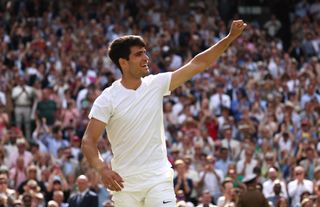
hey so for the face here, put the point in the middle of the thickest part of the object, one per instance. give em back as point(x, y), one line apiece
point(82, 183)
point(299, 175)
point(137, 65)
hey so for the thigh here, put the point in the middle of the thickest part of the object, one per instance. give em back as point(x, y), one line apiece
point(125, 199)
point(161, 195)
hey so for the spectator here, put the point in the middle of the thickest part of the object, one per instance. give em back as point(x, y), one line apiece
point(23, 97)
point(226, 198)
point(230, 143)
point(58, 196)
point(251, 196)
point(298, 186)
point(268, 185)
point(181, 181)
point(9, 194)
point(245, 166)
point(84, 197)
point(47, 108)
point(274, 199)
point(211, 178)
point(206, 199)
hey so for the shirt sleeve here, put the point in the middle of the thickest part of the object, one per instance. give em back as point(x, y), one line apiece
point(101, 108)
point(163, 80)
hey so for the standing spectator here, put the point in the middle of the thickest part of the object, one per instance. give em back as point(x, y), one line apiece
point(181, 181)
point(223, 161)
point(245, 166)
point(268, 185)
point(211, 178)
point(58, 196)
point(310, 162)
point(84, 197)
point(96, 186)
point(232, 145)
point(23, 97)
point(57, 181)
point(272, 26)
point(18, 172)
point(22, 151)
point(55, 140)
point(298, 186)
point(277, 195)
point(32, 175)
point(219, 100)
point(47, 108)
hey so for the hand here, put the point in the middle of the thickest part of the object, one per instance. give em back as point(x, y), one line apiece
point(112, 180)
point(237, 27)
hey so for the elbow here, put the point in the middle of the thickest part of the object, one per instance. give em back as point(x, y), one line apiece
point(84, 143)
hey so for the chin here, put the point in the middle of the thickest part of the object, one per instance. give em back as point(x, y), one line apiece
point(145, 73)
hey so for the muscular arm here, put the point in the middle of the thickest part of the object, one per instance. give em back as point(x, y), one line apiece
point(89, 143)
point(203, 60)
point(111, 179)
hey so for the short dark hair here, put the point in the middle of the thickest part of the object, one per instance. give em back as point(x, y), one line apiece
point(120, 47)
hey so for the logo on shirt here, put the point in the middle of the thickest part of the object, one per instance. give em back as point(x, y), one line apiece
point(165, 202)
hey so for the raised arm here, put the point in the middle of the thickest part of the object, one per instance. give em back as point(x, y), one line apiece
point(204, 59)
point(95, 128)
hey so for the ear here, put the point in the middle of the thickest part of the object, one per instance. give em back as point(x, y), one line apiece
point(123, 63)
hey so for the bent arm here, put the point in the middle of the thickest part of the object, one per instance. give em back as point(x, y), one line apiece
point(90, 139)
point(203, 60)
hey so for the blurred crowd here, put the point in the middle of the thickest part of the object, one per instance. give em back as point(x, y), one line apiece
point(256, 111)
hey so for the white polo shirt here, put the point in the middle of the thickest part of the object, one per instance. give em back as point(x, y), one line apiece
point(135, 128)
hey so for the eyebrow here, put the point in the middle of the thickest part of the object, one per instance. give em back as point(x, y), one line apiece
point(142, 51)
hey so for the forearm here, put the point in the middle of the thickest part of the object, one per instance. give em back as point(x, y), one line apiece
point(92, 154)
point(186, 187)
point(207, 57)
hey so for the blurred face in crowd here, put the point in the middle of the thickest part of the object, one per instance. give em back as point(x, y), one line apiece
point(82, 183)
point(206, 198)
point(249, 154)
point(58, 196)
point(277, 189)
point(299, 173)
point(272, 174)
point(228, 134)
point(181, 168)
point(228, 186)
point(282, 202)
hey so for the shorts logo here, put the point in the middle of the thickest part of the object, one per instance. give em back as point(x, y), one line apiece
point(165, 202)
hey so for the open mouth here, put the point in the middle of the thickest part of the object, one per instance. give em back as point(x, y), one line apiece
point(145, 66)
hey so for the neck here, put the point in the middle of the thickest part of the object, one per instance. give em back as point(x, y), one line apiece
point(131, 83)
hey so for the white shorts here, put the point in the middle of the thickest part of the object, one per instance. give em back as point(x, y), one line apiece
point(159, 194)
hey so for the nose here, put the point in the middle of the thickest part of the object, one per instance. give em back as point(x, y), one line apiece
point(146, 57)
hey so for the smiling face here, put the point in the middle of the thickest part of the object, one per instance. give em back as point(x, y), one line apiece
point(137, 64)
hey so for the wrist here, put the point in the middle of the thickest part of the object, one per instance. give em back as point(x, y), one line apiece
point(102, 168)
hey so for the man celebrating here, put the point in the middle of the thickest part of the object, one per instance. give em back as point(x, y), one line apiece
point(131, 112)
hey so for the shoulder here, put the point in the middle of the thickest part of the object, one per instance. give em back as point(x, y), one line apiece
point(92, 193)
point(160, 77)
